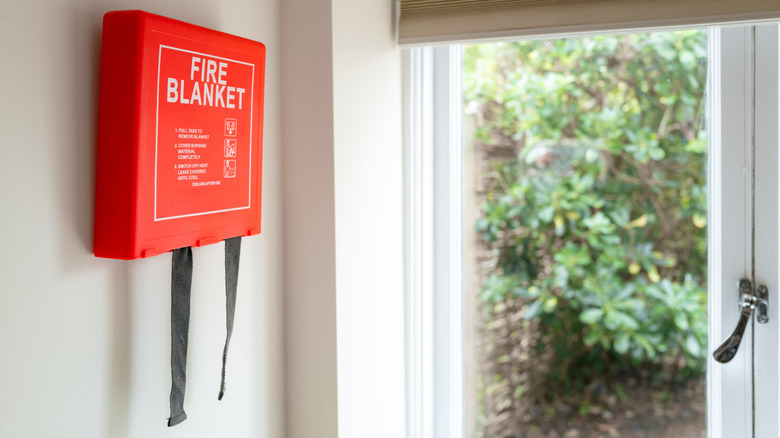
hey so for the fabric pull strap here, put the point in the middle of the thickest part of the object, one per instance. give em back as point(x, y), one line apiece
point(232, 257)
point(181, 287)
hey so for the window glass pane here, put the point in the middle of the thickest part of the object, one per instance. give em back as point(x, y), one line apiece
point(588, 299)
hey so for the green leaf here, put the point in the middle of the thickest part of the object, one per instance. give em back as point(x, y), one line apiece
point(617, 319)
point(546, 214)
point(592, 338)
point(590, 316)
point(657, 154)
point(646, 345)
point(681, 321)
point(533, 310)
point(692, 345)
point(622, 343)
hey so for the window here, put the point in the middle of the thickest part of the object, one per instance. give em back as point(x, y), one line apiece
point(441, 385)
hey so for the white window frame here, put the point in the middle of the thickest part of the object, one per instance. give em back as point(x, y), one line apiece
point(433, 157)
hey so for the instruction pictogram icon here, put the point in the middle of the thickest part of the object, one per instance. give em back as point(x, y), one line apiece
point(231, 127)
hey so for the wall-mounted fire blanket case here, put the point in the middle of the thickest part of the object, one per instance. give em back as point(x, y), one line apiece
point(179, 153)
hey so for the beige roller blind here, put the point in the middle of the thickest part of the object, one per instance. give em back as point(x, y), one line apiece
point(427, 21)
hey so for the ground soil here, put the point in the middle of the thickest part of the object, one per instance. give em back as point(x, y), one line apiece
point(677, 411)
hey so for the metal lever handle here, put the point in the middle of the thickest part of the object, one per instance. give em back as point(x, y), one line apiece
point(728, 350)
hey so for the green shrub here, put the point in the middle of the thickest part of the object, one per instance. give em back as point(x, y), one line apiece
point(599, 223)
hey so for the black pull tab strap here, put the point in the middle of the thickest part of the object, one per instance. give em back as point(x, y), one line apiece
point(232, 257)
point(181, 286)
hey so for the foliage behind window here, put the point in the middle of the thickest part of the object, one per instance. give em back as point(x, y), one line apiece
point(598, 223)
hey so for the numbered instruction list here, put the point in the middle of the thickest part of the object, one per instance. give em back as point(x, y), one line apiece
point(191, 149)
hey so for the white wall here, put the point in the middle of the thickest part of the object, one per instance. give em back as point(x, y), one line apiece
point(344, 319)
point(369, 220)
point(84, 342)
point(309, 254)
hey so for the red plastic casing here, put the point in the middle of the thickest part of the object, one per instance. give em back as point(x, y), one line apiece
point(179, 154)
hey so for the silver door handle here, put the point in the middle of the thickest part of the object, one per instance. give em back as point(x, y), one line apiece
point(748, 302)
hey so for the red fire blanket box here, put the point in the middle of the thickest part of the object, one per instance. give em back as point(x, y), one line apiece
point(180, 130)
point(179, 156)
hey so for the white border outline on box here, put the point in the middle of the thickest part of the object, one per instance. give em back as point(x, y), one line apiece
point(157, 132)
